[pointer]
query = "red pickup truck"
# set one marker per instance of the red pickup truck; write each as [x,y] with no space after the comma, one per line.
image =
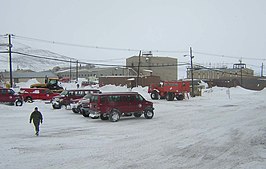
[30,94]
[8,96]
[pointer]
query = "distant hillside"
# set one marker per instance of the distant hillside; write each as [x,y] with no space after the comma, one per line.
[37,63]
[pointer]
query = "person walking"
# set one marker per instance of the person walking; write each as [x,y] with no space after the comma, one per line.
[36,117]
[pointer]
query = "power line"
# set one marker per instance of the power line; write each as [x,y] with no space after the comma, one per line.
[129,49]
[68,61]
[227,56]
[97,47]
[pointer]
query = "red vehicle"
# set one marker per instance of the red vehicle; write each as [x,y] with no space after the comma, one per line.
[76,105]
[30,94]
[114,105]
[68,96]
[8,96]
[169,90]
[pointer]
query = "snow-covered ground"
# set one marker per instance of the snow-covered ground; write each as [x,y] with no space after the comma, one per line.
[224,128]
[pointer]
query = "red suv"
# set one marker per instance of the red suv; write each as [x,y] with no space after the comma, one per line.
[114,105]
[30,94]
[67,96]
[10,97]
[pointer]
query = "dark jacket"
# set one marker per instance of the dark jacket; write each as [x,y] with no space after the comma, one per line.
[36,116]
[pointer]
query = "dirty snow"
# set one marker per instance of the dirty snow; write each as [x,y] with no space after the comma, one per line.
[224,128]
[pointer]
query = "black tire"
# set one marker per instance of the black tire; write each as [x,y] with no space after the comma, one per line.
[28,99]
[154,95]
[57,106]
[128,114]
[170,96]
[75,110]
[95,117]
[19,103]
[104,117]
[137,115]
[85,114]
[148,113]
[114,115]
[180,97]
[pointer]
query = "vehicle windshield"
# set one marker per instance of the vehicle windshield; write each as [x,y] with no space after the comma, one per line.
[87,96]
[10,91]
[53,81]
[63,93]
[140,98]
[94,99]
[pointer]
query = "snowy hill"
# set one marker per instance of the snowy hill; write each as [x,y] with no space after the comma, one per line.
[34,59]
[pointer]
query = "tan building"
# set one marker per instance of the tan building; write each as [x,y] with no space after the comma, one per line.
[96,72]
[238,70]
[165,67]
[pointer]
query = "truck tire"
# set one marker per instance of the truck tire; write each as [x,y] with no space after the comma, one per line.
[57,106]
[96,117]
[18,103]
[180,97]
[137,115]
[104,117]
[154,95]
[170,96]
[114,115]
[28,99]
[85,114]
[148,113]
[75,110]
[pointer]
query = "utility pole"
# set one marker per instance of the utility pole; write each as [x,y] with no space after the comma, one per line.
[10,60]
[261,70]
[70,70]
[137,81]
[77,69]
[191,69]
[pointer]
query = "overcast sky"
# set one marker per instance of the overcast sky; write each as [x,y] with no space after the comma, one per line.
[233,28]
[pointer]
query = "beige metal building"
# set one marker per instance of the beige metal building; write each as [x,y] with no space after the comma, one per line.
[238,70]
[165,67]
[96,72]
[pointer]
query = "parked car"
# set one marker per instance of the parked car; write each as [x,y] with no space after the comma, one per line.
[67,96]
[114,105]
[76,105]
[30,94]
[9,96]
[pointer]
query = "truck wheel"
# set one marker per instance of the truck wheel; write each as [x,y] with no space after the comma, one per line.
[95,117]
[85,114]
[128,114]
[56,106]
[75,110]
[148,113]
[104,117]
[28,99]
[154,95]
[18,103]
[169,96]
[180,97]
[137,115]
[114,116]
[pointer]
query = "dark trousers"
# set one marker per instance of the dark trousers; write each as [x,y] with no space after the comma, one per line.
[37,124]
